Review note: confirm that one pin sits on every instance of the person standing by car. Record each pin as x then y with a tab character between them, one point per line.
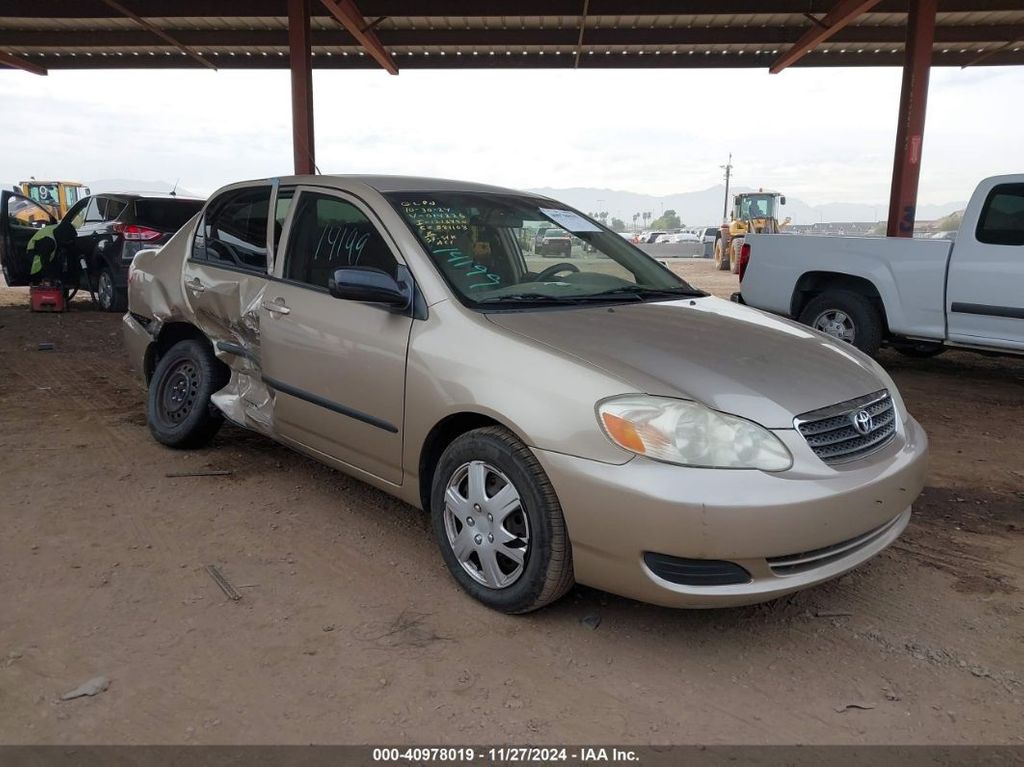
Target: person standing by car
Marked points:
48	250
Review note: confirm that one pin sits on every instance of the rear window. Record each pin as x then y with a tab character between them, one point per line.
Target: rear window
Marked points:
166	215
1002	217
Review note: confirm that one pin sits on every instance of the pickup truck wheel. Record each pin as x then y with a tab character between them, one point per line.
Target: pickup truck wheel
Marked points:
498	522
180	413
850	317
721	258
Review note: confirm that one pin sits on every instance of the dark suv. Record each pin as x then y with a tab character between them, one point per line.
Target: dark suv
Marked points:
109	229
112	228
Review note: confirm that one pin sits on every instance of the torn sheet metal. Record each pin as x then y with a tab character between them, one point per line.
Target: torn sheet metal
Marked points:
225	305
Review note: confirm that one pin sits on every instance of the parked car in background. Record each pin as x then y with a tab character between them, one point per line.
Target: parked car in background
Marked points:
709	235
919	296
109	229
650	237
678	237
554	242
395	329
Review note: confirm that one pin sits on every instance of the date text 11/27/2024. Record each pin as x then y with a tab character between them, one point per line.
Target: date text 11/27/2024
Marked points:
505	754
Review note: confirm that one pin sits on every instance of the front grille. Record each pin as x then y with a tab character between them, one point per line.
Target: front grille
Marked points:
695	572
792	564
832	432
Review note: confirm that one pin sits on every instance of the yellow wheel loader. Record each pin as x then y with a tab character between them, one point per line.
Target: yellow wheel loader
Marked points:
756	212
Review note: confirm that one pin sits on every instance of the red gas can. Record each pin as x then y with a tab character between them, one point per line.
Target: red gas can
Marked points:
45	298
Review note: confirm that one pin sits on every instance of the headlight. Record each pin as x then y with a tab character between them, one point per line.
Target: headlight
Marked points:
689	434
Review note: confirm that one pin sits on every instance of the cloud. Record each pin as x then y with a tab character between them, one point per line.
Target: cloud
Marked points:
821	134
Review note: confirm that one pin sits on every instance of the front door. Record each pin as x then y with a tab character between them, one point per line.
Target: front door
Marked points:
337	366
985	289
20	221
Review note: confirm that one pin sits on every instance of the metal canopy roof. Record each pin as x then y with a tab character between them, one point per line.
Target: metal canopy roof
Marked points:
459	34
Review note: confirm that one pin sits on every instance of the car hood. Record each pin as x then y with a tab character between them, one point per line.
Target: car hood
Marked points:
730	357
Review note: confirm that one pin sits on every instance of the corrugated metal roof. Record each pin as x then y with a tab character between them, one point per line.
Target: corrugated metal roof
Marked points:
699	33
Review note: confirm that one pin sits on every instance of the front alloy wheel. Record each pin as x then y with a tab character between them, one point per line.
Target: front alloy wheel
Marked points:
498	523
485	524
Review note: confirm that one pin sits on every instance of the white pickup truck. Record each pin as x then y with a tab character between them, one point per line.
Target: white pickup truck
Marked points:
918	296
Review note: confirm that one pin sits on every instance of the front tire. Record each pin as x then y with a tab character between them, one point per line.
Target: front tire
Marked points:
846	316
179	410
498	522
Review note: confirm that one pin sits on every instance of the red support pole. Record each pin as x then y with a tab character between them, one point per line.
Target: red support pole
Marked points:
906	168
301	60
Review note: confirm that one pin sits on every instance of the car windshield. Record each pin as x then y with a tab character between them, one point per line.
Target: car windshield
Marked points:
487	248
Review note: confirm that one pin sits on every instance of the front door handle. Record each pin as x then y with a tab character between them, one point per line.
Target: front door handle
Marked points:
195	285
276	306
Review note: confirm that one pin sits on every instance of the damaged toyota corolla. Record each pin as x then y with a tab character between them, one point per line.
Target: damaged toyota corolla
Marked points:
595	420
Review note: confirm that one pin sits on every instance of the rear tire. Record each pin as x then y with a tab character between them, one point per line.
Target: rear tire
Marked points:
846	316
109	297
179	410
525	539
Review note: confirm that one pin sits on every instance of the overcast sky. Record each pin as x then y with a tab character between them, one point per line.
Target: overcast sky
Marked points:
822	135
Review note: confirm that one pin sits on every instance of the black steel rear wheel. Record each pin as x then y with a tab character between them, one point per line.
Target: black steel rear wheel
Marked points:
180	413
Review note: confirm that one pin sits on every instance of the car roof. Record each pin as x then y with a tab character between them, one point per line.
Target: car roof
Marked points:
385	184
148	196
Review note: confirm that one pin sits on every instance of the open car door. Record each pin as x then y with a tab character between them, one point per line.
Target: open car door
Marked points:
20	220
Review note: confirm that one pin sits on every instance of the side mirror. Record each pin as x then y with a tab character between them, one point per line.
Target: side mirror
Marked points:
372	286
782	200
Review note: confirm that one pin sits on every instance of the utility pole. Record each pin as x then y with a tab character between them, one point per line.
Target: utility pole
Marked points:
725	205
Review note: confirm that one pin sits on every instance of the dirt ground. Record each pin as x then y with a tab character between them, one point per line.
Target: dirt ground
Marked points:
351	631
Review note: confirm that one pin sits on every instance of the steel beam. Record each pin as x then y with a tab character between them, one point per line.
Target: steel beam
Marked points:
20	63
906	169
845	12
569	37
348	16
300	59
127	12
79	9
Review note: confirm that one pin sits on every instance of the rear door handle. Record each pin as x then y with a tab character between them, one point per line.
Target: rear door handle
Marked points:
195	285
277	306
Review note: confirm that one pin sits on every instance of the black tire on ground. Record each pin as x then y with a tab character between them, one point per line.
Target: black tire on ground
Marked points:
865	318
547	571
734	254
179	410
721	257
919	349
109	297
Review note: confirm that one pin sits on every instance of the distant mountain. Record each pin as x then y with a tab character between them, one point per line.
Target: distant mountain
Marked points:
704	207
135	185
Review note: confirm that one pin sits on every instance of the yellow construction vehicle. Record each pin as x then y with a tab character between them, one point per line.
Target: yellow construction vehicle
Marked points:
55	196
756	212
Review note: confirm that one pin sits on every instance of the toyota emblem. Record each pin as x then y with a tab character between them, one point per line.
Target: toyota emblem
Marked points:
862	421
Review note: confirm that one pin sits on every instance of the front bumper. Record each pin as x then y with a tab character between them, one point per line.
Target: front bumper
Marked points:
829	519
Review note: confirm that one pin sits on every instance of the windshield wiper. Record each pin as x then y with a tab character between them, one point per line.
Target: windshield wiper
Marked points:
641	292
531	298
